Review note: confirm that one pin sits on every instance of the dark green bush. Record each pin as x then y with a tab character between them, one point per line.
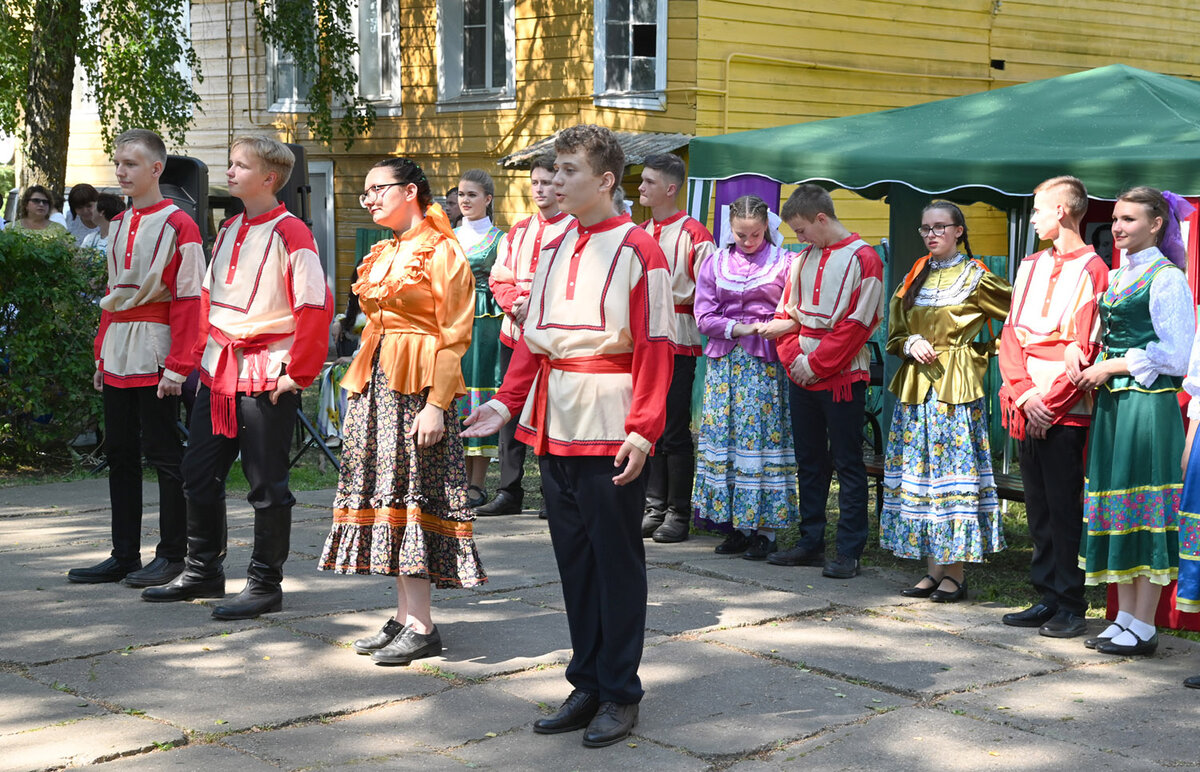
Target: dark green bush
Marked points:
48	319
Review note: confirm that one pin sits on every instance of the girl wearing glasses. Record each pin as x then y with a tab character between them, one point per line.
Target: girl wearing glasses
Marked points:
939	496
33	213
401	505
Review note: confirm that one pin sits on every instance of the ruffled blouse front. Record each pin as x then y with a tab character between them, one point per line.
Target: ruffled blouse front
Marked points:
417	293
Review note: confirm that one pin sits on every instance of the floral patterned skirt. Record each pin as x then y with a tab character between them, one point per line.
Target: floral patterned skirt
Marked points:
745	465
939	495
400	511
1187	593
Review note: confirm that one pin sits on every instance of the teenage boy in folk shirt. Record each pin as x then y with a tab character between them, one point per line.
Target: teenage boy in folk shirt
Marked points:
510	280
685	243
590	378
148	323
263	337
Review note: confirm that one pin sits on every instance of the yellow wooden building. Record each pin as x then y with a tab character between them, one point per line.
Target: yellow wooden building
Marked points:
463	83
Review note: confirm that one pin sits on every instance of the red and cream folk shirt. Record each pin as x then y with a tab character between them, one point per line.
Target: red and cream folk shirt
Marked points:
151	310
1055	302
595	361
836	294
686	244
512	273
265	304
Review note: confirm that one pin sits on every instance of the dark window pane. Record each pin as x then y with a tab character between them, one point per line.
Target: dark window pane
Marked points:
643	75
645	40
474	12
617	75
618	10
474	58
285	80
645	11
499	47
616	40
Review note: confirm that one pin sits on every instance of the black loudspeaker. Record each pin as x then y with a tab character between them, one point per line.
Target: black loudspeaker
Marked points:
296	194
184	180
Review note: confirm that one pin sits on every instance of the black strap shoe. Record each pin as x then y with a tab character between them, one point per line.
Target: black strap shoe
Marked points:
159	572
917	591
110	570
954	596
1142	648
613	723
735	544
1035	616
575	713
379	639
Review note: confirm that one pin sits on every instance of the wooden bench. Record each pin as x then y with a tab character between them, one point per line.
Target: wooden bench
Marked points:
1008	486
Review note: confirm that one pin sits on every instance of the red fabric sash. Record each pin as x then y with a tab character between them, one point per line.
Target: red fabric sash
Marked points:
600	363
684	308
225	375
150	312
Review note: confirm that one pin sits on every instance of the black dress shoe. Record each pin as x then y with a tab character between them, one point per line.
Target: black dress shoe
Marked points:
409	645
504	504
1091	643
797	556
160	571
675	527
841	567
576	712
1034	616
652	519
185	587
918	591
734	544
1144	648
760	547
253	601
476	496
1064	624
954	596
612	724
379	639
110	570
1193	682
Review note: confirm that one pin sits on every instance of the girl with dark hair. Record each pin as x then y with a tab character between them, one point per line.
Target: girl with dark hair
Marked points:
1132	491
401	507
939	496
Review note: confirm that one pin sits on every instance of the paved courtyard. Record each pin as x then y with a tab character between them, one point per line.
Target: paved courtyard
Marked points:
747	667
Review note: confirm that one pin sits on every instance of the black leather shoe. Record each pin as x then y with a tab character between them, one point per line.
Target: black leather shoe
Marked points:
111	570
253	601
1144	648
1034	616
760	547
735	543
1193	682
379	639
612	724
160	571
1091	643
797	556
185	587
575	713
954	596
651	520
409	645
917	591
476	496
675	527
542	513
1064	624
504	504
841	567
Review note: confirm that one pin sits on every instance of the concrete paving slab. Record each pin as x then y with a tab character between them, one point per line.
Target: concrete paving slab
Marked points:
405	762
884	651
83	742
269	676
76	496
18	534
1136	707
321	498
210	758
923	738
483	636
526	523
525	750
400	728
30	705
697	547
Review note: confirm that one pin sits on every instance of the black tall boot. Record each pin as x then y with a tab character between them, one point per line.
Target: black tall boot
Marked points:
203	570
680	471
656	495
263	592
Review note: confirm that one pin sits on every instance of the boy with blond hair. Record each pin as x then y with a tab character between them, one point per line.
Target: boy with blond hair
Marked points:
263	337
143	350
1055	317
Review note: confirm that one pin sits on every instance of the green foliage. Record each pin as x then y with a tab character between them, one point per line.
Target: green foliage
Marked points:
48	318
318	36
8	180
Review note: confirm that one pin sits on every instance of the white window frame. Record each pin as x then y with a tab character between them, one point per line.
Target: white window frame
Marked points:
292	104
636	100
452	97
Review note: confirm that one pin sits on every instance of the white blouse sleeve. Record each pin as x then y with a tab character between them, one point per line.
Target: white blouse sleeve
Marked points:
1174	315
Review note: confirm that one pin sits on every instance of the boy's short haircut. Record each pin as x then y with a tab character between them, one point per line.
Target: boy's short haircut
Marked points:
271	153
1074	194
452	191
80	196
808	201
155	149
598	145
109	205
544	161
669	165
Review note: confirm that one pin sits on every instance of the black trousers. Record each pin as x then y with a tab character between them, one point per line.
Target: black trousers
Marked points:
595	527
828	438
1052	472
264	438
137	422
668	483
511	450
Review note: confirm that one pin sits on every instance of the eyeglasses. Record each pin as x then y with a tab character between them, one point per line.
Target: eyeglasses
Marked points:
936	230
39	201
375	192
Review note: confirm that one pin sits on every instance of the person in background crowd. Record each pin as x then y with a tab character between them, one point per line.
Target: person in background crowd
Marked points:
452	210
107	207
33	212
81	219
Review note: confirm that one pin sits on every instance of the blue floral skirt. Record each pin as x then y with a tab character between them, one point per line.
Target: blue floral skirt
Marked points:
745	465
1187	593
939	495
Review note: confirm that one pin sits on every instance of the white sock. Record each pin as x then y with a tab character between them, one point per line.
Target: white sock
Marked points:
768	532
1119	625
1142	630
1123	619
